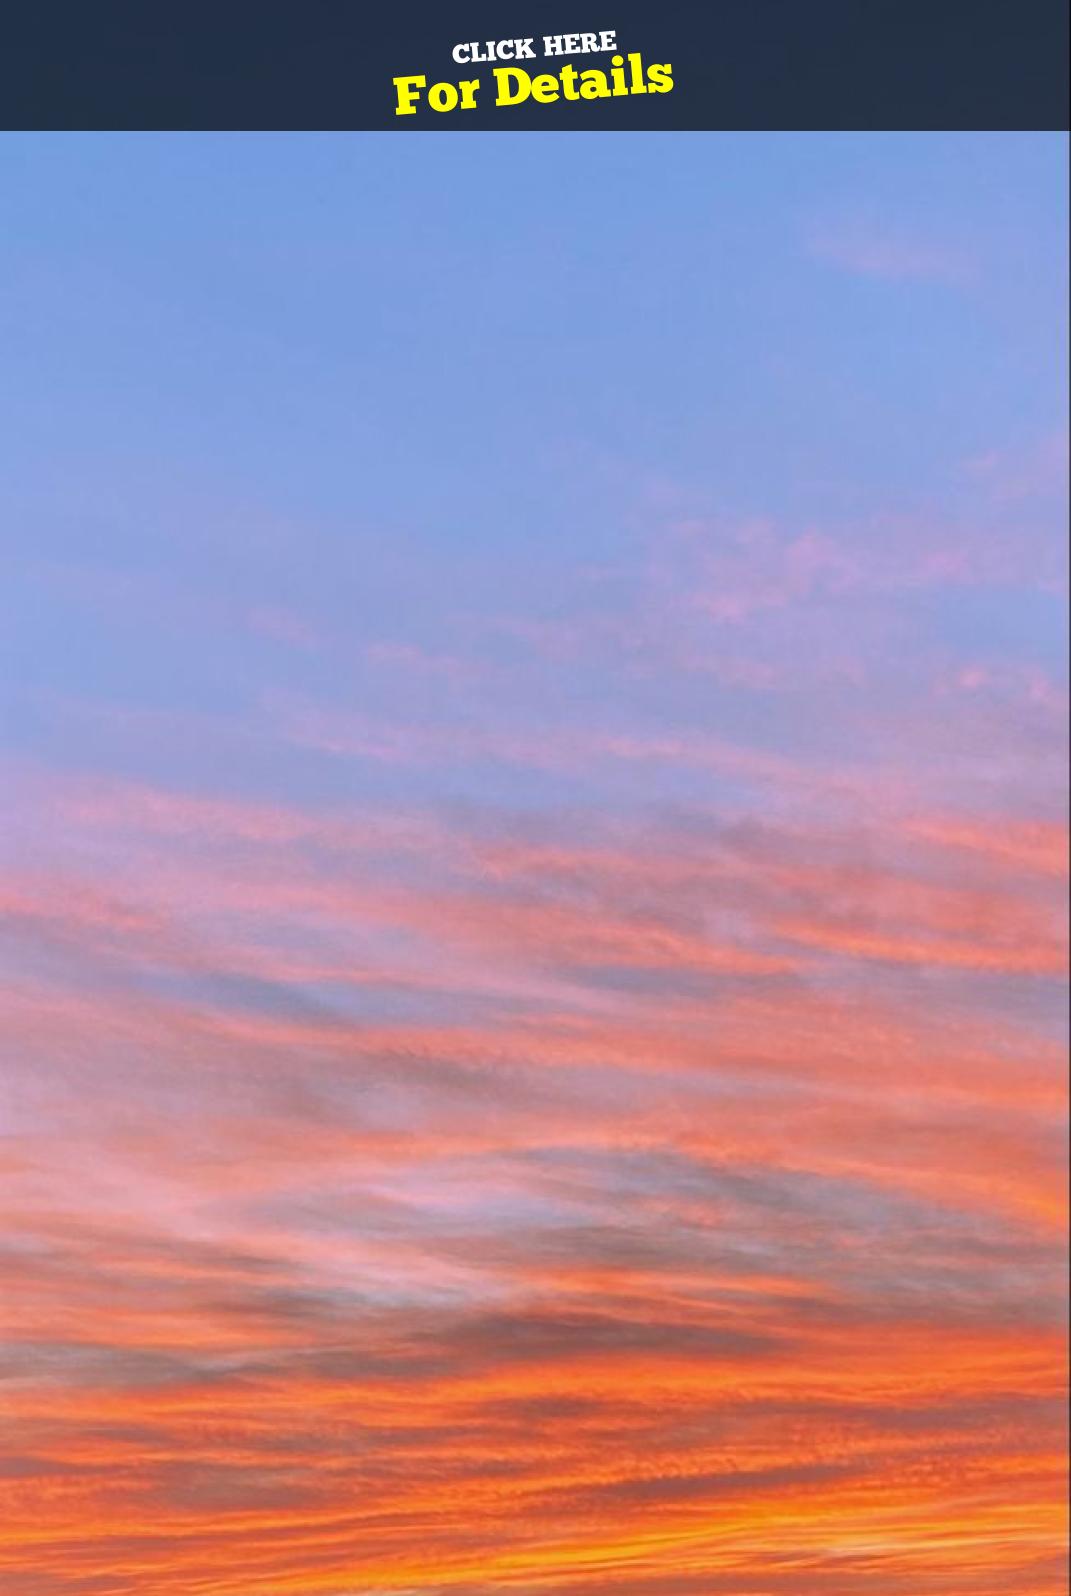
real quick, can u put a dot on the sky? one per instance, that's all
(533, 858)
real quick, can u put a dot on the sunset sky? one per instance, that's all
(533, 860)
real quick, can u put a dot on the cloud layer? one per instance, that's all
(535, 1018)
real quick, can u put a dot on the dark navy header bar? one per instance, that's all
(579, 64)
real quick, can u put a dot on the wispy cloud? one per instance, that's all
(870, 246)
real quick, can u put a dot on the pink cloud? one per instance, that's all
(869, 247)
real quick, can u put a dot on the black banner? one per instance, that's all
(738, 64)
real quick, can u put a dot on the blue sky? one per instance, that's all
(345, 372)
